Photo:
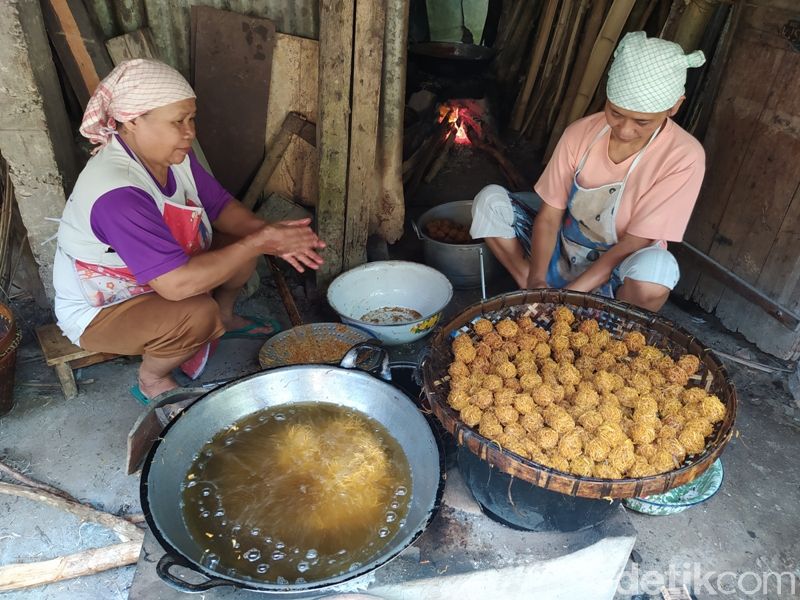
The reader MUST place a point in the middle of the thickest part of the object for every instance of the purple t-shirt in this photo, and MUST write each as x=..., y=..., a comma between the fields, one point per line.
x=128, y=220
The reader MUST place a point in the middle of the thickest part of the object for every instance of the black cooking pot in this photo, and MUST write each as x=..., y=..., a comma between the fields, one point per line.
x=171, y=458
x=451, y=59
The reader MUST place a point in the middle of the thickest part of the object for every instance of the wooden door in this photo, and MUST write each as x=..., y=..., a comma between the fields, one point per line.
x=748, y=213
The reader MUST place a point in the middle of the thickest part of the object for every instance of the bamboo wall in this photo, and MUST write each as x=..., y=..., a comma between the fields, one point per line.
x=169, y=20
x=553, y=55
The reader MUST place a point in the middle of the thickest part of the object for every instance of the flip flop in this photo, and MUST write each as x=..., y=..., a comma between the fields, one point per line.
x=247, y=332
x=139, y=395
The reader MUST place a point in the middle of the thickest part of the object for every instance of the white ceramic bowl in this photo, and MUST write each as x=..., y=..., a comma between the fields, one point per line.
x=394, y=300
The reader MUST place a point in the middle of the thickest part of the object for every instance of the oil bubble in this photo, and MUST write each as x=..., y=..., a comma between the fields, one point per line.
x=278, y=555
x=302, y=566
x=391, y=517
x=401, y=491
x=205, y=514
x=262, y=568
x=281, y=580
x=191, y=484
x=209, y=559
x=280, y=545
x=206, y=492
x=394, y=505
x=220, y=512
x=255, y=531
x=280, y=417
x=342, y=552
x=267, y=540
x=383, y=532
x=252, y=555
x=229, y=441
x=311, y=554
x=299, y=580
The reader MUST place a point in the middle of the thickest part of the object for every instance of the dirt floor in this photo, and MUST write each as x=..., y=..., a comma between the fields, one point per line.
x=749, y=529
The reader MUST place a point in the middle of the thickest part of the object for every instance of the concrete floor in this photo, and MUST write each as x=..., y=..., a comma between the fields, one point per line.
x=750, y=526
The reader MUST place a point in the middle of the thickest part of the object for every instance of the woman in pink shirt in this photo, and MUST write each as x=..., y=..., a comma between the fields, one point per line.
x=621, y=183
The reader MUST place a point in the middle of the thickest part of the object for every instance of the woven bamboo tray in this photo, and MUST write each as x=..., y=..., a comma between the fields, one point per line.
x=618, y=318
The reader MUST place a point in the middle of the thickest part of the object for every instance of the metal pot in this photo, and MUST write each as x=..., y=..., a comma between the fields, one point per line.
x=461, y=263
x=171, y=458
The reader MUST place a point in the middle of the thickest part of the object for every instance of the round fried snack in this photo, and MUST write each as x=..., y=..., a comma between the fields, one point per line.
x=526, y=342
x=458, y=369
x=479, y=365
x=492, y=382
x=546, y=438
x=642, y=433
x=640, y=468
x=713, y=409
x=567, y=374
x=560, y=328
x=651, y=354
x=646, y=451
x=641, y=383
x=606, y=471
x=622, y=457
x=458, y=399
x=589, y=326
x=512, y=383
x=617, y=348
x=558, y=419
x=471, y=415
x=676, y=375
x=542, y=394
x=505, y=369
x=605, y=360
x=507, y=328
x=524, y=404
x=525, y=323
x=541, y=350
x=518, y=447
x=494, y=339
x=530, y=381
x=506, y=414
x=640, y=364
x=465, y=354
x=563, y=356
x=489, y=426
x=462, y=339
x=570, y=445
x=483, y=398
x=527, y=368
x=482, y=349
x=540, y=334
x=634, y=341
x=675, y=448
x=591, y=420
x=565, y=314
x=692, y=440
x=582, y=466
x=532, y=422
x=559, y=462
x=597, y=449
x=701, y=424
x=689, y=363
x=610, y=413
x=662, y=461
x=578, y=340
x=611, y=433
x=504, y=396
x=600, y=338
x=515, y=430
x=605, y=381
x=483, y=327
x=559, y=343
x=510, y=348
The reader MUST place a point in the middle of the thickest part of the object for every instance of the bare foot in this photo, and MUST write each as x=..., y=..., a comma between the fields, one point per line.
x=153, y=386
x=238, y=322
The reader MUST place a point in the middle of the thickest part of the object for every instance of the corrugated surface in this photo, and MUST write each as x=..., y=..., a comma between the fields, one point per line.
x=170, y=20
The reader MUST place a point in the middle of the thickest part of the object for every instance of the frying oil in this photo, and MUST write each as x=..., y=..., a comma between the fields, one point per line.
x=293, y=495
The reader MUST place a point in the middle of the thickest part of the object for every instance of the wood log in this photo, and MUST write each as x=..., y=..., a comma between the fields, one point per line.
x=125, y=530
x=285, y=293
x=333, y=130
x=542, y=36
x=293, y=125
x=388, y=216
x=589, y=35
x=693, y=23
x=440, y=160
x=20, y=477
x=136, y=44
x=78, y=44
x=362, y=182
x=88, y=562
x=599, y=56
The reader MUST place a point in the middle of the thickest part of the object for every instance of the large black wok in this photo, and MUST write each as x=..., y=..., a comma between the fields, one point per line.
x=451, y=59
x=170, y=460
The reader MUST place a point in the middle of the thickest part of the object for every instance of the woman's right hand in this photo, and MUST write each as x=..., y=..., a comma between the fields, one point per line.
x=294, y=241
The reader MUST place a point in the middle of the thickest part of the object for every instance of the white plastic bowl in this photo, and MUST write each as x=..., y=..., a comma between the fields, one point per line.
x=391, y=289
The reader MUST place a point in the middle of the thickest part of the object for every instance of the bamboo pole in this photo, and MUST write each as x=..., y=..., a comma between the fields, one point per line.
x=693, y=23
x=591, y=29
x=511, y=61
x=600, y=55
x=566, y=62
x=546, y=88
x=542, y=36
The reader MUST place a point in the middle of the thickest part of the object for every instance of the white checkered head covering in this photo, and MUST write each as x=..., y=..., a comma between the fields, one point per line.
x=648, y=74
x=133, y=88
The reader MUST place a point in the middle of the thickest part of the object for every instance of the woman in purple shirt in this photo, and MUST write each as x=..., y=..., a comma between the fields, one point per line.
x=152, y=251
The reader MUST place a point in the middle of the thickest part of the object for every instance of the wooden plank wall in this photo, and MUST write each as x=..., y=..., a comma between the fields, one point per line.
x=748, y=214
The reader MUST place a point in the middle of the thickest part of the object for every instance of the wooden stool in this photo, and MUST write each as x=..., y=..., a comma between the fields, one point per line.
x=64, y=356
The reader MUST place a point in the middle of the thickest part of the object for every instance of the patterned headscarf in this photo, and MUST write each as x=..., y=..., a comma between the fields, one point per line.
x=648, y=74
x=133, y=88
